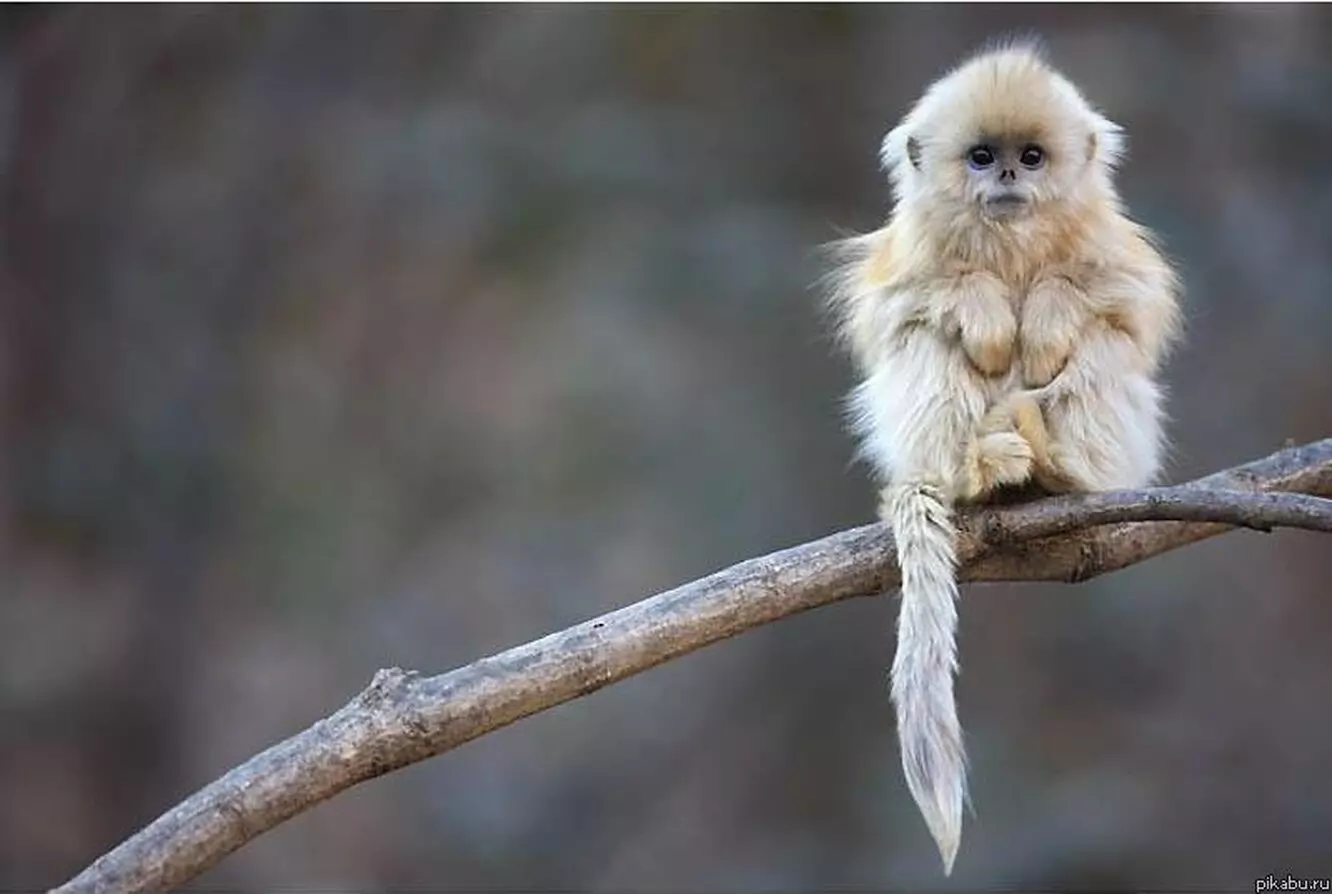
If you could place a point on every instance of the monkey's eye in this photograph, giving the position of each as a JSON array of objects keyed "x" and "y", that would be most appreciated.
[
  {"x": 980, "y": 156},
  {"x": 1032, "y": 157}
]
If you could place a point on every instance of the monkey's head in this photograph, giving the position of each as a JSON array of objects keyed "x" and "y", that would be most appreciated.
[{"x": 1003, "y": 137}]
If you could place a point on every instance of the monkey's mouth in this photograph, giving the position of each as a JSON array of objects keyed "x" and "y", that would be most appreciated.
[{"x": 1005, "y": 204}]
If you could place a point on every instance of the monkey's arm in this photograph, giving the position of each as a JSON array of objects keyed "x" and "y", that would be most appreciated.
[
  {"x": 976, "y": 310},
  {"x": 923, "y": 343},
  {"x": 1102, "y": 415},
  {"x": 1135, "y": 294},
  {"x": 1138, "y": 296},
  {"x": 1100, "y": 342},
  {"x": 882, "y": 289},
  {"x": 1054, "y": 313}
]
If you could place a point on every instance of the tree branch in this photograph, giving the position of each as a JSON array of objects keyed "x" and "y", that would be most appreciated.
[{"x": 402, "y": 718}]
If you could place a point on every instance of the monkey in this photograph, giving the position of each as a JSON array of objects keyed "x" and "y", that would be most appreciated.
[{"x": 1007, "y": 325}]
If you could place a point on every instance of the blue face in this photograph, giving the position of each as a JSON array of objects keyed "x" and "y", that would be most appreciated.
[{"x": 1005, "y": 174}]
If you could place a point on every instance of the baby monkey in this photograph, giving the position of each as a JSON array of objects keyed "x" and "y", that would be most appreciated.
[{"x": 1007, "y": 324}]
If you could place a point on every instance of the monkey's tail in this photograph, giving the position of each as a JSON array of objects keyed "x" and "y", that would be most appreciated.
[{"x": 933, "y": 756}]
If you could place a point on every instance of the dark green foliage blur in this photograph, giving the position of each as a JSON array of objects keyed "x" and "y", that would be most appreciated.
[{"x": 335, "y": 337}]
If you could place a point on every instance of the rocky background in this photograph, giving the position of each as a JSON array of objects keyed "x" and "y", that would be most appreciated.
[{"x": 334, "y": 338}]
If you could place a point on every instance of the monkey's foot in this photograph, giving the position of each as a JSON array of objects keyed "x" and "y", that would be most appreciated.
[
  {"x": 1021, "y": 413},
  {"x": 1030, "y": 424},
  {"x": 994, "y": 460},
  {"x": 1004, "y": 458}
]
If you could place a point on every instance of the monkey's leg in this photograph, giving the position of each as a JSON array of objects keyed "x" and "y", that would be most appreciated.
[
  {"x": 1021, "y": 413},
  {"x": 1008, "y": 445},
  {"x": 919, "y": 413}
]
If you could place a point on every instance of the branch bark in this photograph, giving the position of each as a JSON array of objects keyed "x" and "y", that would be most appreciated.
[{"x": 402, "y": 718}]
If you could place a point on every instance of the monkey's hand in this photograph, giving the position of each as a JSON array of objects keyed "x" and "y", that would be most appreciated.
[
  {"x": 1054, "y": 313},
  {"x": 980, "y": 314}
]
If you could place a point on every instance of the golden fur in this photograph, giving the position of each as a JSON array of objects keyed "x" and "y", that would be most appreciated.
[{"x": 1008, "y": 323}]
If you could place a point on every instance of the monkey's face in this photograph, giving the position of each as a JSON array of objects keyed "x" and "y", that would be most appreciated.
[
  {"x": 1007, "y": 177},
  {"x": 1003, "y": 174},
  {"x": 1001, "y": 139}
]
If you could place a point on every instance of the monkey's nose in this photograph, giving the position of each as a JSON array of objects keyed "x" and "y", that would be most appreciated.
[{"x": 1009, "y": 173}]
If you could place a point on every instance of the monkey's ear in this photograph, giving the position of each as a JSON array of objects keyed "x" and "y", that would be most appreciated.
[
  {"x": 1106, "y": 143},
  {"x": 898, "y": 149}
]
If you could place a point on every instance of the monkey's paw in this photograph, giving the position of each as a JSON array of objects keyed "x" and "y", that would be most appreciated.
[
  {"x": 989, "y": 335},
  {"x": 982, "y": 319},
  {"x": 1052, "y": 320},
  {"x": 997, "y": 459},
  {"x": 1005, "y": 458},
  {"x": 992, "y": 357},
  {"x": 1042, "y": 361}
]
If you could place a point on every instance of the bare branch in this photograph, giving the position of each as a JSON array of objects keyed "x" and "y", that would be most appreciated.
[
  {"x": 402, "y": 718},
  {"x": 1261, "y": 511}
]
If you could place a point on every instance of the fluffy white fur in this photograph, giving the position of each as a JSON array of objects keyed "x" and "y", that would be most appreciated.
[{"x": 995, "y": 349}]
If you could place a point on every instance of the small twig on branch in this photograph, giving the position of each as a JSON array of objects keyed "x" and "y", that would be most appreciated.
[{"x": 402, "y": 718}]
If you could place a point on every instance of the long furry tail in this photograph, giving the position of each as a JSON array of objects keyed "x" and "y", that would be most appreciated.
[{"x": 922, "y": 679}]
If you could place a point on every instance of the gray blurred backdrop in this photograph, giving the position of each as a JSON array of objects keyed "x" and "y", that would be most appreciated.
[{"x": 334, "y": 338}]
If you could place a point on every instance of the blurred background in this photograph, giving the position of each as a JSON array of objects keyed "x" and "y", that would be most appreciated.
[{"x": 338, "y": 338}]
